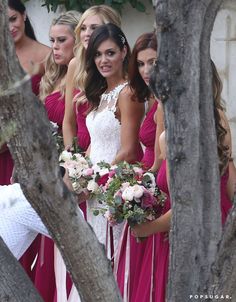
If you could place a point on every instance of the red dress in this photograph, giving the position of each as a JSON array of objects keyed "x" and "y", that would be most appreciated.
[
  {"x": 6, "y": 162},
  {"x": 134, "y": 270},
  {"x": 45, "y": 274},
  {"x": 162, "y": 242}
]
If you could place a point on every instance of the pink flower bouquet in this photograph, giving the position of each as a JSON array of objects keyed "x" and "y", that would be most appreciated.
[{"x": 129, "y": 194}]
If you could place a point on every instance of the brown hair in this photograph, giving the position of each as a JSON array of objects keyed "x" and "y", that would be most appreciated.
[
  {"x": 140, "y": 90},
  {"x": 223, "y": 150}
]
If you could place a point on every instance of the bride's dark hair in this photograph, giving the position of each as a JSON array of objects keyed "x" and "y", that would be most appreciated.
[{"x": 95, "y": 83}]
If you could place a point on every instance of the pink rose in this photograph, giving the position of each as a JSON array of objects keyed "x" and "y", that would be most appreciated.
[
  {"x": 88, "y": 172},
  {"x": 111, "y": 173}
]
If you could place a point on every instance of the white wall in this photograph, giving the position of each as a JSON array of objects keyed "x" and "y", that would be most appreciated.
[{"x": 134, "y": 23}]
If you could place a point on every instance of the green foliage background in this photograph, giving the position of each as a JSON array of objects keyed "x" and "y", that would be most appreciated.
[{"x": 82, "y": 5}]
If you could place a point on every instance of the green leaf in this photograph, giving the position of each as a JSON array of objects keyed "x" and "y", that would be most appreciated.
[{"x": 140, "y": 7}]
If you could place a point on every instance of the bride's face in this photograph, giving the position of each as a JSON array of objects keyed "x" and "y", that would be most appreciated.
[{"x": 109, "y": 59}]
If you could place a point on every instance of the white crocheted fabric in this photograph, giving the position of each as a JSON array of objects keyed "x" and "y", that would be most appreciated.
[
  {"x": 104, "y": 130},
  {"x": 19, "y": 223}
]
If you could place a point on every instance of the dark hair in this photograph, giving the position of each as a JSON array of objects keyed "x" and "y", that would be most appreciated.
[
  {"x": 140, "y": 90},
  {"x": 18, "y": 6},
  {"x": 95, "y": 83},
  {"x": 223, "y": 150}
]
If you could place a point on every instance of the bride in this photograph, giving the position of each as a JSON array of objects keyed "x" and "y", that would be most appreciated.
[{"x": 114, "y": 119}]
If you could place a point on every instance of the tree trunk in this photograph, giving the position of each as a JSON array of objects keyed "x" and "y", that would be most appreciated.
[
  {"x": 36, "y": 162},
  {"x": 15, "y": 286},
  {"x": 183, "y": 82}
]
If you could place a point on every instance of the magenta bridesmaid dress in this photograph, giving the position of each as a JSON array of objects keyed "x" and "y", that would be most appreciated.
[
  {"x": 162, "y": 242},
  {"x": 135, "y": 268},
  {"x": 6, "y": 162},
  {"x": 45, "y": 276},
  {"x": 6, "y": 167}
]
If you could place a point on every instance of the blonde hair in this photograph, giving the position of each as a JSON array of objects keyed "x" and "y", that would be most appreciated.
[
  {"x": 107, "y": 15},
  {"x": 53, "y": 71}
]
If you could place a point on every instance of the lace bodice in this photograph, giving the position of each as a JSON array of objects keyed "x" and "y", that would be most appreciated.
[{"x": 104, "y": 127}]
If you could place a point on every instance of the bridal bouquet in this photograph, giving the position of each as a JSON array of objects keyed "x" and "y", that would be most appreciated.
[{"x": 129, "y": 193}]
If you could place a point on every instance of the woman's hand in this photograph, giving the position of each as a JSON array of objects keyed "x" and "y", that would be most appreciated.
[
  {"x": 142, "y": 230},
  {"x": 83, "y": 196},
  {"x": 161, "y": 224}
]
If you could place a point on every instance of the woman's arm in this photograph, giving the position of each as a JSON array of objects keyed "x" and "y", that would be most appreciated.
[
  {"x": 159, "y": 115},
  {"x": 69, "y": 121},
  {"x": 161, "y": 224},
  {"x": 131, "y": 114}
]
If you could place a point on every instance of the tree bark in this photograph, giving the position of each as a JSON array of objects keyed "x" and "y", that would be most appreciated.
[
  {"x": 36, "y": 162},
  {"x": 15, "y": 286},
  {"x": 183, "y": 82}
]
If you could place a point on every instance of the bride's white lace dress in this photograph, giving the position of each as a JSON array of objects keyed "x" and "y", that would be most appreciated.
[{"x": 104, "y": 129}]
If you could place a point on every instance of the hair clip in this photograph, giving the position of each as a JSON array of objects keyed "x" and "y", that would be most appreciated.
[{"x": 122, "y": 39}]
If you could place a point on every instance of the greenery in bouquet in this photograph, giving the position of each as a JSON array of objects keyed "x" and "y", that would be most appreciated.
[
  {"x": 75, "y": 148},
  {"x": 129, "y": 193}
]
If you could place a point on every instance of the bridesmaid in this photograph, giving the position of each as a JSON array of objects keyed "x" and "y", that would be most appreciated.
[
  {"x": 161, "y": 225},
  {"x": 52, "y": 94},
  {"x": 31, "y": 55},
  {"x": 30, "y": 52},
  {"x": 74, "y": 119},
  {"x": 135, "y": 278}
]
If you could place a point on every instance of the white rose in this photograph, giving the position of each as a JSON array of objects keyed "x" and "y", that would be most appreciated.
[
  {"x": 65, "y": 156},
  {"x": 152, "y": 178},
  {"x": 96, "y": 168},
  {"x": 125, "y": 185},
  {"x": 72, "y": 172},
  {"x": 128, "y": 194},
  {"x": 92, "y": 186},
  {"x": 138, "y": 191}
]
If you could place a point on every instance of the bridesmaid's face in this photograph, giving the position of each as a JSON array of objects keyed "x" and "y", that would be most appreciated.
[
  {"x": 109, "y": 59},
  {"x": 87, "y": 28},
  {"x": 63, "y": 41},
  {"x": 16, "y": 24},
  {"x": 146, "y": 59}
]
